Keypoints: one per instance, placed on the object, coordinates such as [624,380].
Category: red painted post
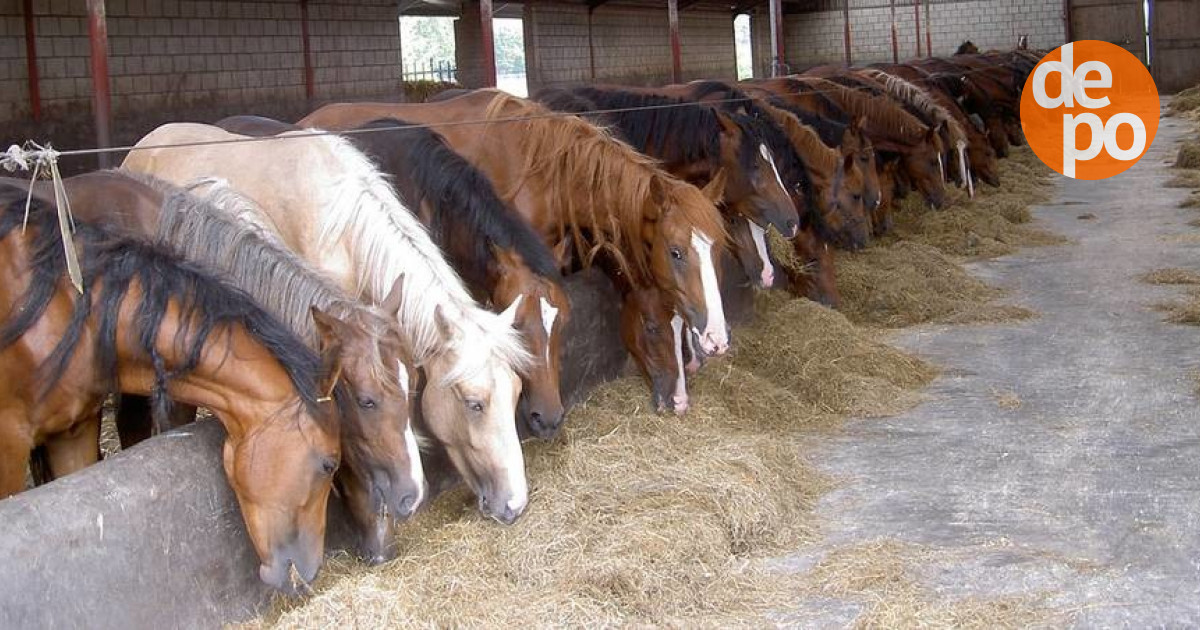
[487,42]
[928,32]
[777,63]
[917,21]
[895,39]
[101,97]
[846,30]
[310,88]
[31,67]
[676,51]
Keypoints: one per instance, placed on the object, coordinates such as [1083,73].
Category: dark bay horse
[498,254]
[150,323]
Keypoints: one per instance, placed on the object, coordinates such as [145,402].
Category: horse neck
[236,377]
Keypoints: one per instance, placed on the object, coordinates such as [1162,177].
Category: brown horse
[894,133]
[829,189]
[573,180]
[150,323]
[381,474]
[697,143]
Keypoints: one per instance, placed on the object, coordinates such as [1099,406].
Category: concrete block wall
[816,37]
[630,45]
[192,53]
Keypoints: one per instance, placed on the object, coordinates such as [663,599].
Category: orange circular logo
[1090,109]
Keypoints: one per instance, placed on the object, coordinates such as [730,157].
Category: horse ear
[395,297]
[562,253]
[714,190]
[330,330]
[510,314]
[448,329]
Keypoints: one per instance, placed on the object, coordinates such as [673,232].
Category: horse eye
[676,253]
[652,328]
[857,197]
[366,403]
[475,405]
[329,465]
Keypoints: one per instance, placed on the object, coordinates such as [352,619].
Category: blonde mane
[386,240]
[603,189]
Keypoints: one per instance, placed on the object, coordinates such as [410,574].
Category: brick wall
[630,45]
[189,53]
[816,37]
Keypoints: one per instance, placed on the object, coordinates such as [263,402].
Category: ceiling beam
[745,6]
[684,5]
[592,5]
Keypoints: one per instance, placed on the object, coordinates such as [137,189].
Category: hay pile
[879,575]
[1186,101]
[637,518]
[1188,156]
[1171,275]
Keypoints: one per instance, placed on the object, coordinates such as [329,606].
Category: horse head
[650,328]
[752,180]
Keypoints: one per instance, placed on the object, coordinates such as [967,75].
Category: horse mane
[830,131]
[567,154]
[207,224]
[115,260]
[387,241]
[565,100]
[458,196]
[881,110]
[908,92]
[675,130]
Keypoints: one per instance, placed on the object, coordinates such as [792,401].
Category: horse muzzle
[503,510]
[278,572]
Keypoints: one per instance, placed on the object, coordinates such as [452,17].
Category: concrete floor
[1087,495]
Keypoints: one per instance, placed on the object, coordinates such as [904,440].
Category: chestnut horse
[697,143]
[573,180]
[894,133]
[496,252]
[330,205]
[151,323]
[381,472]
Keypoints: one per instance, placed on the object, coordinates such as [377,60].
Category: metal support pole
[101,97]
[846,30]
[928,31]
[917,21]
[676,53]
[895,38]
[487,43]
[31,66]
[777,51]
[306,47]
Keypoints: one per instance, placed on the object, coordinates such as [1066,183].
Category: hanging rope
[38,158]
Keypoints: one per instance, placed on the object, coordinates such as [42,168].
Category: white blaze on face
[942,166]
[760,246]
[549,313]
[963,171]
[714,340]
[762,150]
[415,471]
[680,397]
[512,459]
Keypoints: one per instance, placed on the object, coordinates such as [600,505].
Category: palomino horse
[381,472]
[573,180]
[150,323]
[496,252]
[330,205]
[698,144]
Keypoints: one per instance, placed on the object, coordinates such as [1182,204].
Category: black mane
[831,129]
[467,214]
[674,130]
[115,260]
